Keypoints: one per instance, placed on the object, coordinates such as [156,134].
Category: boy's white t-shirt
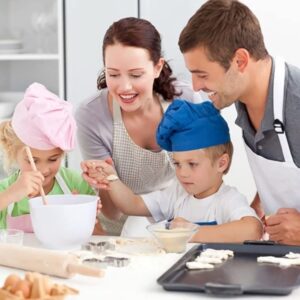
[226,205]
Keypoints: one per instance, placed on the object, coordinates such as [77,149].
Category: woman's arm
[109,209]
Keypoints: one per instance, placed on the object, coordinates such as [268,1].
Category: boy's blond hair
[216,152]
[10,144]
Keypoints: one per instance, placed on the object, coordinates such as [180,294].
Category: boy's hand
[179,220]
[98,173]
[28,184]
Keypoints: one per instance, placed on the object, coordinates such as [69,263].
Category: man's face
[223,86]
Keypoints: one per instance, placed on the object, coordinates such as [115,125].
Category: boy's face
[196,173]
[223,87]
[47,162]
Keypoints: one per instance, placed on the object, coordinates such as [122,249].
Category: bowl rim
[62,205]
[191,227]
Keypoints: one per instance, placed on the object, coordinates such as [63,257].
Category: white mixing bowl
[66,222]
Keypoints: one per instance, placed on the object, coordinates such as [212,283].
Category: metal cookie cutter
[107,261]
[117,261]
[99,247]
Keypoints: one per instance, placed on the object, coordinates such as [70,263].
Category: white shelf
[29,56]
[39,27]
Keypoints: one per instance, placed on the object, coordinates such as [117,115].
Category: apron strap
[278,91]
[62,184]
[117,116]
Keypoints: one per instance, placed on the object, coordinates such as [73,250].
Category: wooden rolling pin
[44,261]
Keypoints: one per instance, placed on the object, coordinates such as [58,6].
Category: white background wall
[87,21]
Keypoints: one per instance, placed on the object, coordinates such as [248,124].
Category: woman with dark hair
[119,123]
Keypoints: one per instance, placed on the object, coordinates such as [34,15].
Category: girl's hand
[96,173]
[28,184]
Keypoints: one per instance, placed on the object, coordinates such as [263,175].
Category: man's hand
[284,226]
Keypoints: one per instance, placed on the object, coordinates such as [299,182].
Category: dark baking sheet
[238,275]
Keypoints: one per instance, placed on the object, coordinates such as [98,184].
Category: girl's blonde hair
[10,144]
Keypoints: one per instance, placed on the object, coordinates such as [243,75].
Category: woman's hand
[98,172]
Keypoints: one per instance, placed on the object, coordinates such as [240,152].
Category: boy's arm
[247,228]
[97,173]
[124,199]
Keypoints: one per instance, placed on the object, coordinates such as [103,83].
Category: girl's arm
[247,228]
[28,184]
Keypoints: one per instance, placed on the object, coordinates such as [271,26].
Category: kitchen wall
[86,22]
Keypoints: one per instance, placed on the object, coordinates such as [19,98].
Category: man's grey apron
[142,170]
[278,183]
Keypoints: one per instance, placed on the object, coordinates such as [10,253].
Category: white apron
[150,171]
[23,222]
[278,183]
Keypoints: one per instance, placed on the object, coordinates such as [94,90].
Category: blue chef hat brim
[188,126]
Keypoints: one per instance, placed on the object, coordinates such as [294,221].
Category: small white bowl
[66,222]
[173,237]
[11,236]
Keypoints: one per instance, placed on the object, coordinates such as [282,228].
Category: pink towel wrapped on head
[43,121]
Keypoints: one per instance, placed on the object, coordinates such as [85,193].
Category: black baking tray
[238,275]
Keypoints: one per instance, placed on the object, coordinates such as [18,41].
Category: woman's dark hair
[140,33]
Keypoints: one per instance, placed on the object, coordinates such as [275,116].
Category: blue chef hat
[187,126]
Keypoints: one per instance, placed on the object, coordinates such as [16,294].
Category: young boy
[199,138]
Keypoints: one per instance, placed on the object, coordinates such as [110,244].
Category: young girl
[45,123]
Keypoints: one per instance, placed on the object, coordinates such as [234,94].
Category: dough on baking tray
[208,258]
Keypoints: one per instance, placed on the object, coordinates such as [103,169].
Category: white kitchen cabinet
[169,17]
[31,45]
[31,50]
[86,23]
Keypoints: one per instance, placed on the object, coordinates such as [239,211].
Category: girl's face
[47,162]
[130,75]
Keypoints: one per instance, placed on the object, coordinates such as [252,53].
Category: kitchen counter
[135,281]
